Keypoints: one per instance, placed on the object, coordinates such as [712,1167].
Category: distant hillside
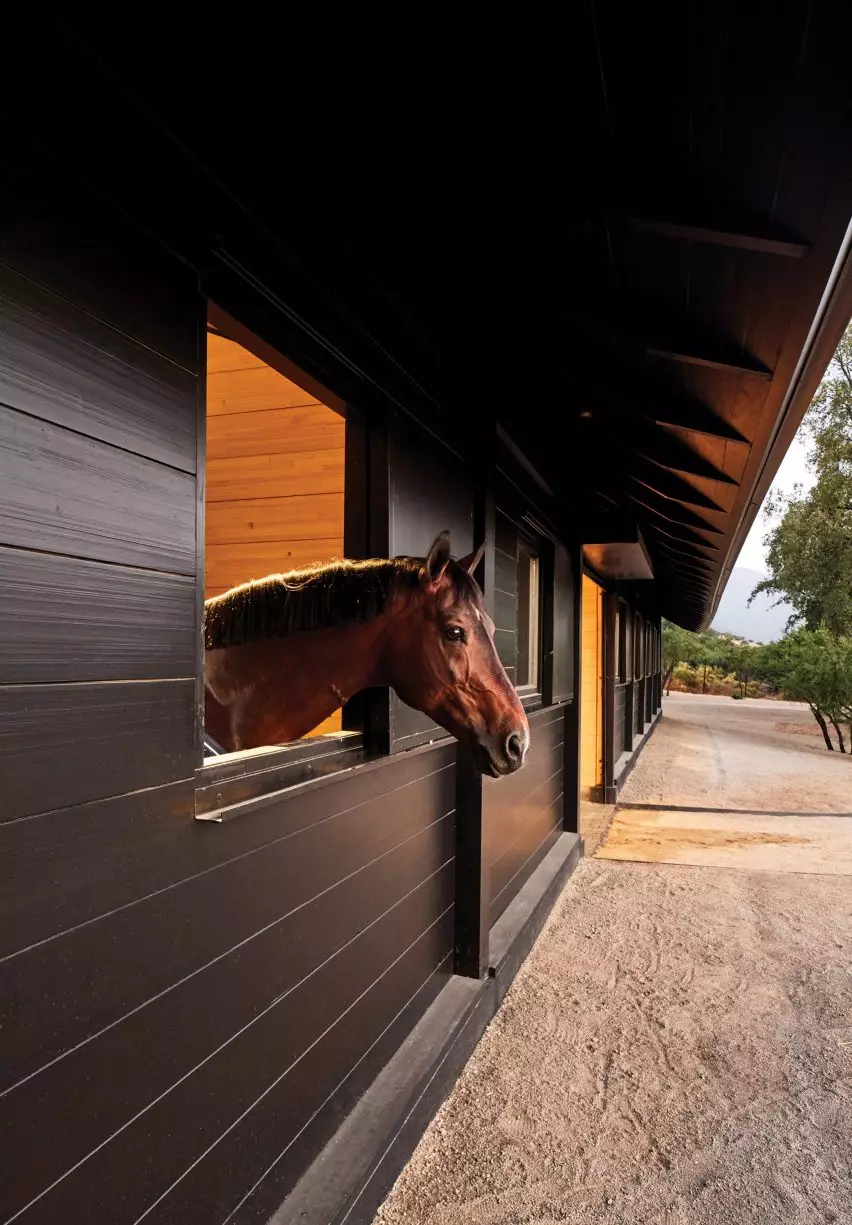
[761,622]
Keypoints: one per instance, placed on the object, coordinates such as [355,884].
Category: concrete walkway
[678,1046]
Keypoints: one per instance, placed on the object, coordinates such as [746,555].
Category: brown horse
[283,653]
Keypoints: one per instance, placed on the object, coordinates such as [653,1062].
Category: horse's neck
[292,684]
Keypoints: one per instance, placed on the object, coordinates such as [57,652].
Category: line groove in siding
[244,1029]
[220,956]
[290,1067]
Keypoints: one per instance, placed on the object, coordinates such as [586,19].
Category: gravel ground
[755,754]
[676,1049]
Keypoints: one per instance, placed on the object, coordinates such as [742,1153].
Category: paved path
[677,1049]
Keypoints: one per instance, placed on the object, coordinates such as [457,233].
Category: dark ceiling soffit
[518,455]
[686,537]
[669,485]
[658,404]
[767,244]
[680,522]
[673,512]
[672,452]
[832,316]
[746,366]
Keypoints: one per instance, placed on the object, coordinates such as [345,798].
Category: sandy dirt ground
[755,754]
[677,1049]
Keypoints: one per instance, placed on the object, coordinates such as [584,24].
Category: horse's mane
[316,597]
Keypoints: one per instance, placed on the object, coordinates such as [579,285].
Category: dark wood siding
[429,491]
[65,619]
[195,1030]
[191,1007]
[523,813]
[619,746]
[563,680]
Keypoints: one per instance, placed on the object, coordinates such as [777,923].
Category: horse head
[441,659]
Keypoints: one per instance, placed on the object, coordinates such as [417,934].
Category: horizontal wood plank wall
[618,720]
[591,764]
[97,521]
[274,473]
[523,812]
[211,1021]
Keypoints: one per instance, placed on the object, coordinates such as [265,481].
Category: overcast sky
[793,469]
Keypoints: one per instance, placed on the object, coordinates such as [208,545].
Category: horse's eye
[454,633]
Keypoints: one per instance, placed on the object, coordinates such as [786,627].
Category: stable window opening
[274,502]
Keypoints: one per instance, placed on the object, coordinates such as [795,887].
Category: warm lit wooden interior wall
[275,468]
[591,749]
[275,472]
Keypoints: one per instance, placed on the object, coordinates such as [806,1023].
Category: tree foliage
[809,550]
[814,666]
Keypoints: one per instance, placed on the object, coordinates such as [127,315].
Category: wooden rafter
[766,244]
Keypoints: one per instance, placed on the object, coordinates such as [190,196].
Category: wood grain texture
[70,620]
[63,236]
[280,981]
[304,846]
[63,492]
[276,475]
[71,865]
[266,479]
[619,709]
[307,517]
[268,431]
[333,927]
[62,365]
[118,850]
[66,744]
[251,390]
[230,564]
[524,811]
[591,752]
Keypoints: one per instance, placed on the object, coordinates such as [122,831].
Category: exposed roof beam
[701,359]
[721,238]
[637,397]
[636,435]
[688,537]
[682,557]
[670,485]
[673,512]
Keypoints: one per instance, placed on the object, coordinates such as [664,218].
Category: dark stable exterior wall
[631,705]
[191,1007]
[523,813]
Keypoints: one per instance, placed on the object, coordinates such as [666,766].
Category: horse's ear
[438,559]
[472,560]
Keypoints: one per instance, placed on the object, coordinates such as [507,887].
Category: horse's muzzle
[504,754]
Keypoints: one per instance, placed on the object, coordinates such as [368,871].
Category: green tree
[809,551]
[815,666]
[676,646]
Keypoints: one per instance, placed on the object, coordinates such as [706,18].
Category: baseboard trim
[352,1175]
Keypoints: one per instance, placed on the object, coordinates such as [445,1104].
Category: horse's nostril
[514,748]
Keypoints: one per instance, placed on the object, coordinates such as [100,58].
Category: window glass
[529,616]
